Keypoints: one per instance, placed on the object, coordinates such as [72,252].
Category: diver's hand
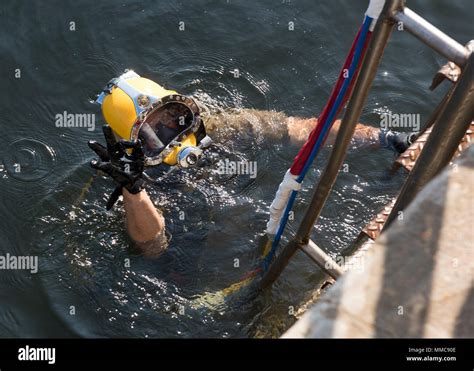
[125,169]
[396,141]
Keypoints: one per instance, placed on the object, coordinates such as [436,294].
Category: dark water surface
[84,287]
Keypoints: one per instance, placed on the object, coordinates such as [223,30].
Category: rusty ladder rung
[407,160]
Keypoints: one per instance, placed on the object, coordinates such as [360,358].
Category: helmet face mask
[169,121]
[175,124]
[165,121]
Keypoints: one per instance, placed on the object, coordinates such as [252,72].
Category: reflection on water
[238,61]
[214,220]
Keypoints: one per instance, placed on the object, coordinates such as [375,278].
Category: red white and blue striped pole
[291,184]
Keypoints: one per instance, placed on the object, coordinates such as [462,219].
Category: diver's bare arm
[299,129]
[144,222]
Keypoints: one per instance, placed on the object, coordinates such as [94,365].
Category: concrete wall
[418,279]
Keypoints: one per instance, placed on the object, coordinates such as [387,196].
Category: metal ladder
[451,120]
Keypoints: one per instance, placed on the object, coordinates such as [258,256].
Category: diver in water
[151,126]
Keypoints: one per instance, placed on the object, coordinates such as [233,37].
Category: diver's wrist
[137,186]
[128,194]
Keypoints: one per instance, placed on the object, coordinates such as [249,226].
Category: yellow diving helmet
[167,123]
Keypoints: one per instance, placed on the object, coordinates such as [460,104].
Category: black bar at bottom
[79,352]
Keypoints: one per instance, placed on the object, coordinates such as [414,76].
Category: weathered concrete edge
[418,279]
